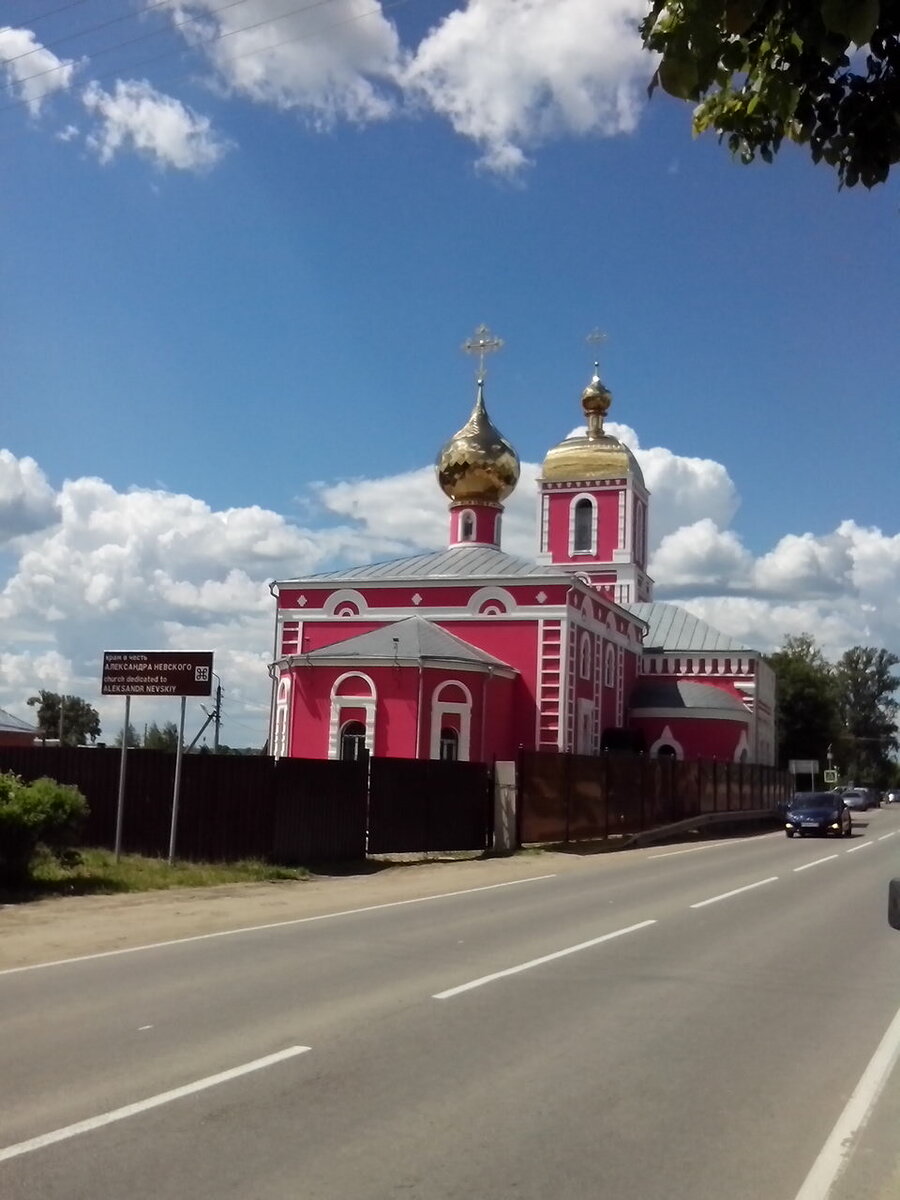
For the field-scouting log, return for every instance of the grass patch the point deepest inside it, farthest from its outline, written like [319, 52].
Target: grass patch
[97, 872]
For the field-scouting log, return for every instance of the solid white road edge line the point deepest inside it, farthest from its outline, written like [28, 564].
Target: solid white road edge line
[202, 937]
[736, 892]
[836, 1152]
[131, 1110]
[536, 962]
[815, 862]
[861, 846]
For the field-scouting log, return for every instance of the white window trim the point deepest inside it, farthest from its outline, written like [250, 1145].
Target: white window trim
[280, 745]
[609, 667]
[339, 702]
[466, 512]
[590, 551]
[584, 656]
[463, 710]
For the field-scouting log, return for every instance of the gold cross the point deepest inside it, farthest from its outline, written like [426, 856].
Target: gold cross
[596, 338]
[482, 342]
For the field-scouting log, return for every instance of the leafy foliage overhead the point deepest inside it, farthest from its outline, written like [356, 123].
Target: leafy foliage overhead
[825, 73]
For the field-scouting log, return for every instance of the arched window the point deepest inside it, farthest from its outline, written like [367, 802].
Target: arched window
[609, 668]
[666, 751]
[353, 741]
[585, 649]
[466, 527]
[449, 748]
[583, 533]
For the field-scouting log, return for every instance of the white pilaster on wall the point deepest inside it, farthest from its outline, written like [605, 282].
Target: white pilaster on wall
[549, 684]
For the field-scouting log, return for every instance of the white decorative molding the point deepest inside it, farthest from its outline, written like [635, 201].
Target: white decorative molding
[541, 597]
[742, 749]
[416, 598]
[667, 738]
[345, 596]
[302, 601]
[499, 598]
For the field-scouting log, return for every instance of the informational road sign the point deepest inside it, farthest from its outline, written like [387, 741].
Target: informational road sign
[157, 673]
[803, 766]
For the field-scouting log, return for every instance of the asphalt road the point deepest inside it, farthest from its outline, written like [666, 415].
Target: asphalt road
[687, 1024]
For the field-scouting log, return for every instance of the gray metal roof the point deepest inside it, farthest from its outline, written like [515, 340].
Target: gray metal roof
[671, 693]
[471, 562]
[11, 724]
[412, 639]
[671, 629]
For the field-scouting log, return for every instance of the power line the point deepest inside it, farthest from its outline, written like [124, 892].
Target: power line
[53, 11]
[151, 33]
[380, 10]
[70, 37]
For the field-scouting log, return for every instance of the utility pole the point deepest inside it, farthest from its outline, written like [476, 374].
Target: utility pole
[62, 706]
[217, 718]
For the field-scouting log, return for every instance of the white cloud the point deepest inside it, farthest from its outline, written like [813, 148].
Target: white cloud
[701, 556]
[327, 60]
[512, 73]
[159, 127]
[33, 71]
[683, 489]
[27, 501]
[94, 569]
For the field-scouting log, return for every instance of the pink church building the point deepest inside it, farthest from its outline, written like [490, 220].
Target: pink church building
[471, 653]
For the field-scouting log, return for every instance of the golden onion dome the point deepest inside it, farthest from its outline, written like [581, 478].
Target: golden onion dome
[478, 463]
[593, 454]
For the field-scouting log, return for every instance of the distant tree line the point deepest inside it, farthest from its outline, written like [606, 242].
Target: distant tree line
[71, 721]
[848, 707]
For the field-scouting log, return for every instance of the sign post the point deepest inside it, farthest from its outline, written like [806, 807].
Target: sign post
[155, 673]
[177, 789]
[120, 803]
[805, 766]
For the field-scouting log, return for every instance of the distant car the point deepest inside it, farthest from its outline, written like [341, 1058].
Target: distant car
[857, 799]
[892, 796]
[818, 812]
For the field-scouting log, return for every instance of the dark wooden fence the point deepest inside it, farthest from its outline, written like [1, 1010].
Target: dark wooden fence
[288, 810]
[570, 797]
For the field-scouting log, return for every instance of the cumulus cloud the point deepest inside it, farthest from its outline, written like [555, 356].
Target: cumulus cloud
[27, 501]
[32, 71]
[91, 568]
[328, 61]
[683, 489]
[134, 115]
[510, 74]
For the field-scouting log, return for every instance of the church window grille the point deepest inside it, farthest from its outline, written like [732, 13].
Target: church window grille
[353, 741]
[449, 747]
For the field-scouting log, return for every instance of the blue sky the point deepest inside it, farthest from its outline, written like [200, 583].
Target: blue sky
[236, 280]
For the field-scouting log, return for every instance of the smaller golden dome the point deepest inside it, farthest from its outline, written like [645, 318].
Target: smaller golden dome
[478, 463]
[594, 454]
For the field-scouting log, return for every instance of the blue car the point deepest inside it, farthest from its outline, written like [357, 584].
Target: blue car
[820, 813]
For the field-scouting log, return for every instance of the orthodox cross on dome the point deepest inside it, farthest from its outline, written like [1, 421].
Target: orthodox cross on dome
[597, 338]
[482, 342]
